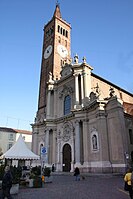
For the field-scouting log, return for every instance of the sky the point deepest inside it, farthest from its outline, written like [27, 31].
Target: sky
[102, 31]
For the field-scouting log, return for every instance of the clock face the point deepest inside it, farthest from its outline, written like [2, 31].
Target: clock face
[62, 51]
[48, 51]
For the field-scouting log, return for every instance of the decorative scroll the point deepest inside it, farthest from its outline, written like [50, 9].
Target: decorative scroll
[66, 133]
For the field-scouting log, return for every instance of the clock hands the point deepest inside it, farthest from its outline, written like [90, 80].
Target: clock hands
[49, 49]
[62, 51]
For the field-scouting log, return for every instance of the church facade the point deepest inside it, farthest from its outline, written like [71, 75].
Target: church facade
[82, 119]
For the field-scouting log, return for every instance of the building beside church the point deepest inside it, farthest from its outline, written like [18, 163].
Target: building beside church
[82, 119]
[8, 137]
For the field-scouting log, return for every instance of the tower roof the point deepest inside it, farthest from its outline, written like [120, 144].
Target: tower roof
[57, 12]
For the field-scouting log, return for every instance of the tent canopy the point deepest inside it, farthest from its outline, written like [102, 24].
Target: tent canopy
[20, 151]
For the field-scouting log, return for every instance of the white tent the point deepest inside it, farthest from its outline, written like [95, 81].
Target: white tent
[20, 151]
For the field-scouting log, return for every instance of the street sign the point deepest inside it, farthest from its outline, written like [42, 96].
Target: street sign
[43, 150]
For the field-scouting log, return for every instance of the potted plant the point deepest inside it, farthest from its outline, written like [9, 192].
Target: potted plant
[36, 176]
[47, 174]
[16, 174]
[30, 180]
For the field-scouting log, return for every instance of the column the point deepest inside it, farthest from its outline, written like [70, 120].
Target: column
[73, 152]
[87, 82]
[85, 142]
[35, 140]
[47, 145]
[82, 90]
[55, 102]
[54, 147]
[58, 158]
[76, 90]
[77, 144]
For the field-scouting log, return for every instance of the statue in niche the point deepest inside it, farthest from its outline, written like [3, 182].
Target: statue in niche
[94, 142]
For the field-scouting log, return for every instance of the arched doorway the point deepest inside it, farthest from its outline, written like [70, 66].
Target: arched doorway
[66, 157]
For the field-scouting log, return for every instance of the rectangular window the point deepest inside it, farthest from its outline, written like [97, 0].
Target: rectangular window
[67, 105]
[11, 136]
[10, 145]
[131, 136]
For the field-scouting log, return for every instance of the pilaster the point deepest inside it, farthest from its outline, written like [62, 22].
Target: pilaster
[47, 145]
[85, 140]
[82, 90]
[76, 90]
[77, 144]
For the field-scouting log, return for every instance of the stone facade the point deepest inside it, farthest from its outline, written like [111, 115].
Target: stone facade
[85, 122]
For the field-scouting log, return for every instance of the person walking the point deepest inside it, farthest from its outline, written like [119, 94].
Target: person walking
[53, 168]
[6, 183]
[77, 174]
[127, 178]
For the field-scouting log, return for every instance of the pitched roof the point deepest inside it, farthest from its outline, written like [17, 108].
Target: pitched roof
[11, 130]
[5, 129]
[23, 131]
[57, 12]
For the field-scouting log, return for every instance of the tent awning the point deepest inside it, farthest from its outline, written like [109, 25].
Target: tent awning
[20, 151]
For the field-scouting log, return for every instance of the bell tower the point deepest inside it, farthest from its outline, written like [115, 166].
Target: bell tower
[55, 53]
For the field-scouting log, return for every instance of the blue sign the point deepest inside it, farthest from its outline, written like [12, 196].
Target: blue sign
[43, 150]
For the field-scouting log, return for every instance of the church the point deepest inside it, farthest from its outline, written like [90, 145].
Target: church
[82, 119]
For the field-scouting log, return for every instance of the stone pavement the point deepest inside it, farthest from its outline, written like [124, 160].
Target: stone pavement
[65, 187]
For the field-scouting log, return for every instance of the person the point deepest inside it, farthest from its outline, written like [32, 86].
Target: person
[127, 178]
[77, 174]
[6, 183]
[52, 167]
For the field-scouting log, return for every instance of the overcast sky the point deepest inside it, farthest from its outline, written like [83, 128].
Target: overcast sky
[102, 31]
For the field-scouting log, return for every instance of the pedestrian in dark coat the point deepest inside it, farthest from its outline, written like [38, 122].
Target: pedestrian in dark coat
[53, 168]
[77, 174]
[6, 183]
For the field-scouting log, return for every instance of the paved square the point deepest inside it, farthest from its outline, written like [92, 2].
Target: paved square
[65, 187]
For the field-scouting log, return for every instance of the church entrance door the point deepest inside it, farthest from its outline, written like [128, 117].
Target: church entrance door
[66, 157]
